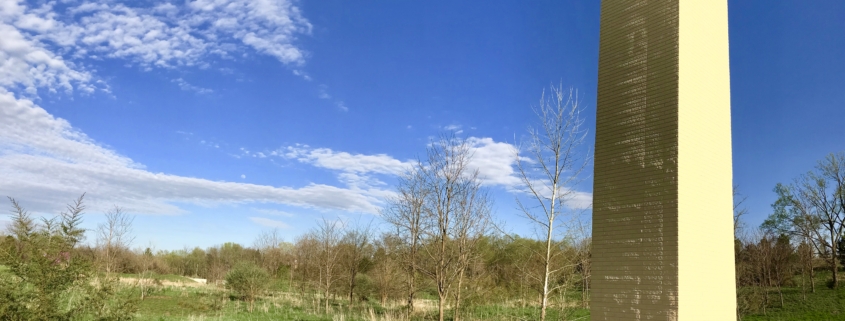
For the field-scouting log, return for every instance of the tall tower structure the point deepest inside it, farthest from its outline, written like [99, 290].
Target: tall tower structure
[662, 199]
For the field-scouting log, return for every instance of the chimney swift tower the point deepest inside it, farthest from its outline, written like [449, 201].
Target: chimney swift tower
[662, 206]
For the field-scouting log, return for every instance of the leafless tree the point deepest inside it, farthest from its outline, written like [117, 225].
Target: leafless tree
[114, 236]
[472, 223]
[583, 259]
[269, 244]
[328, 235]
[739, 211]
[356, 249]
[404, 212]
[306, 263]
[759, 251]
[805, 259]
[782, 263]
[550, 170]
[146, 257]
[455, 213]
[386, 272]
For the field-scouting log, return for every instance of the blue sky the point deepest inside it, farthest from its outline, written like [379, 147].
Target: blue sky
[213, 120]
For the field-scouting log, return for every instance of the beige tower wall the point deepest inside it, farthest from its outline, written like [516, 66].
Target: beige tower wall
[706, 286]
[662, 203]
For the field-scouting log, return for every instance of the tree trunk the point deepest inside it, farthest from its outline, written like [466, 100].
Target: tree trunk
[545, 295]
[833, 255]
[458, 296]
[804, 286]
[352, 286]
[411, 289]
[326, 297]
[812, 279]
[441, 304]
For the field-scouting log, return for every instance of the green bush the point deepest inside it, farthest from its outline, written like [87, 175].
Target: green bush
[47, 279]
[248, 281]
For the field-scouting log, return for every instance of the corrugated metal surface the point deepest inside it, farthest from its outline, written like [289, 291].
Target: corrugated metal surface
[635, 209]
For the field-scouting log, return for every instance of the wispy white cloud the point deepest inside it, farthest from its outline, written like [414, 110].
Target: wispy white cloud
[269, 223]
[184, 85]
[58, 164]
[343, 161]
[452, 127]
[273, 212]
[322, 92]
[302, 74]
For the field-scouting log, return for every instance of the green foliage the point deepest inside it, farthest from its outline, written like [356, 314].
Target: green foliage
[47, 279]
[247, 280]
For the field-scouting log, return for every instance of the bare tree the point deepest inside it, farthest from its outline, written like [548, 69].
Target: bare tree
[269, 243]
[758, 255]
[404, 212]
[813, 208]
[549, 169]
[739, 211]
[782, 263]
[327, 235]
[455, 212]
[805, 257]
[147, 257]
[114, 236]
[306, 263]
[472, 223]
[386, 271]
[356, 250]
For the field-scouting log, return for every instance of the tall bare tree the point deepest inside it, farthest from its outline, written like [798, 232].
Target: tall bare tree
[114, 236]
[269, 244]
[387, 271]
[356, 249]
[455, 212]
[739, 211]
[328, 235]
[404, 212]
[146, 261]
[550, 168]
[805, 259]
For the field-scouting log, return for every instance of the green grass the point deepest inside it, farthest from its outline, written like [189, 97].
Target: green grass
[209, 303]
[824, 304]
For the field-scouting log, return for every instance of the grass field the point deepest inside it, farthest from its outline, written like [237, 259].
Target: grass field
[824, 304]
[181, 298]
[208, 302]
